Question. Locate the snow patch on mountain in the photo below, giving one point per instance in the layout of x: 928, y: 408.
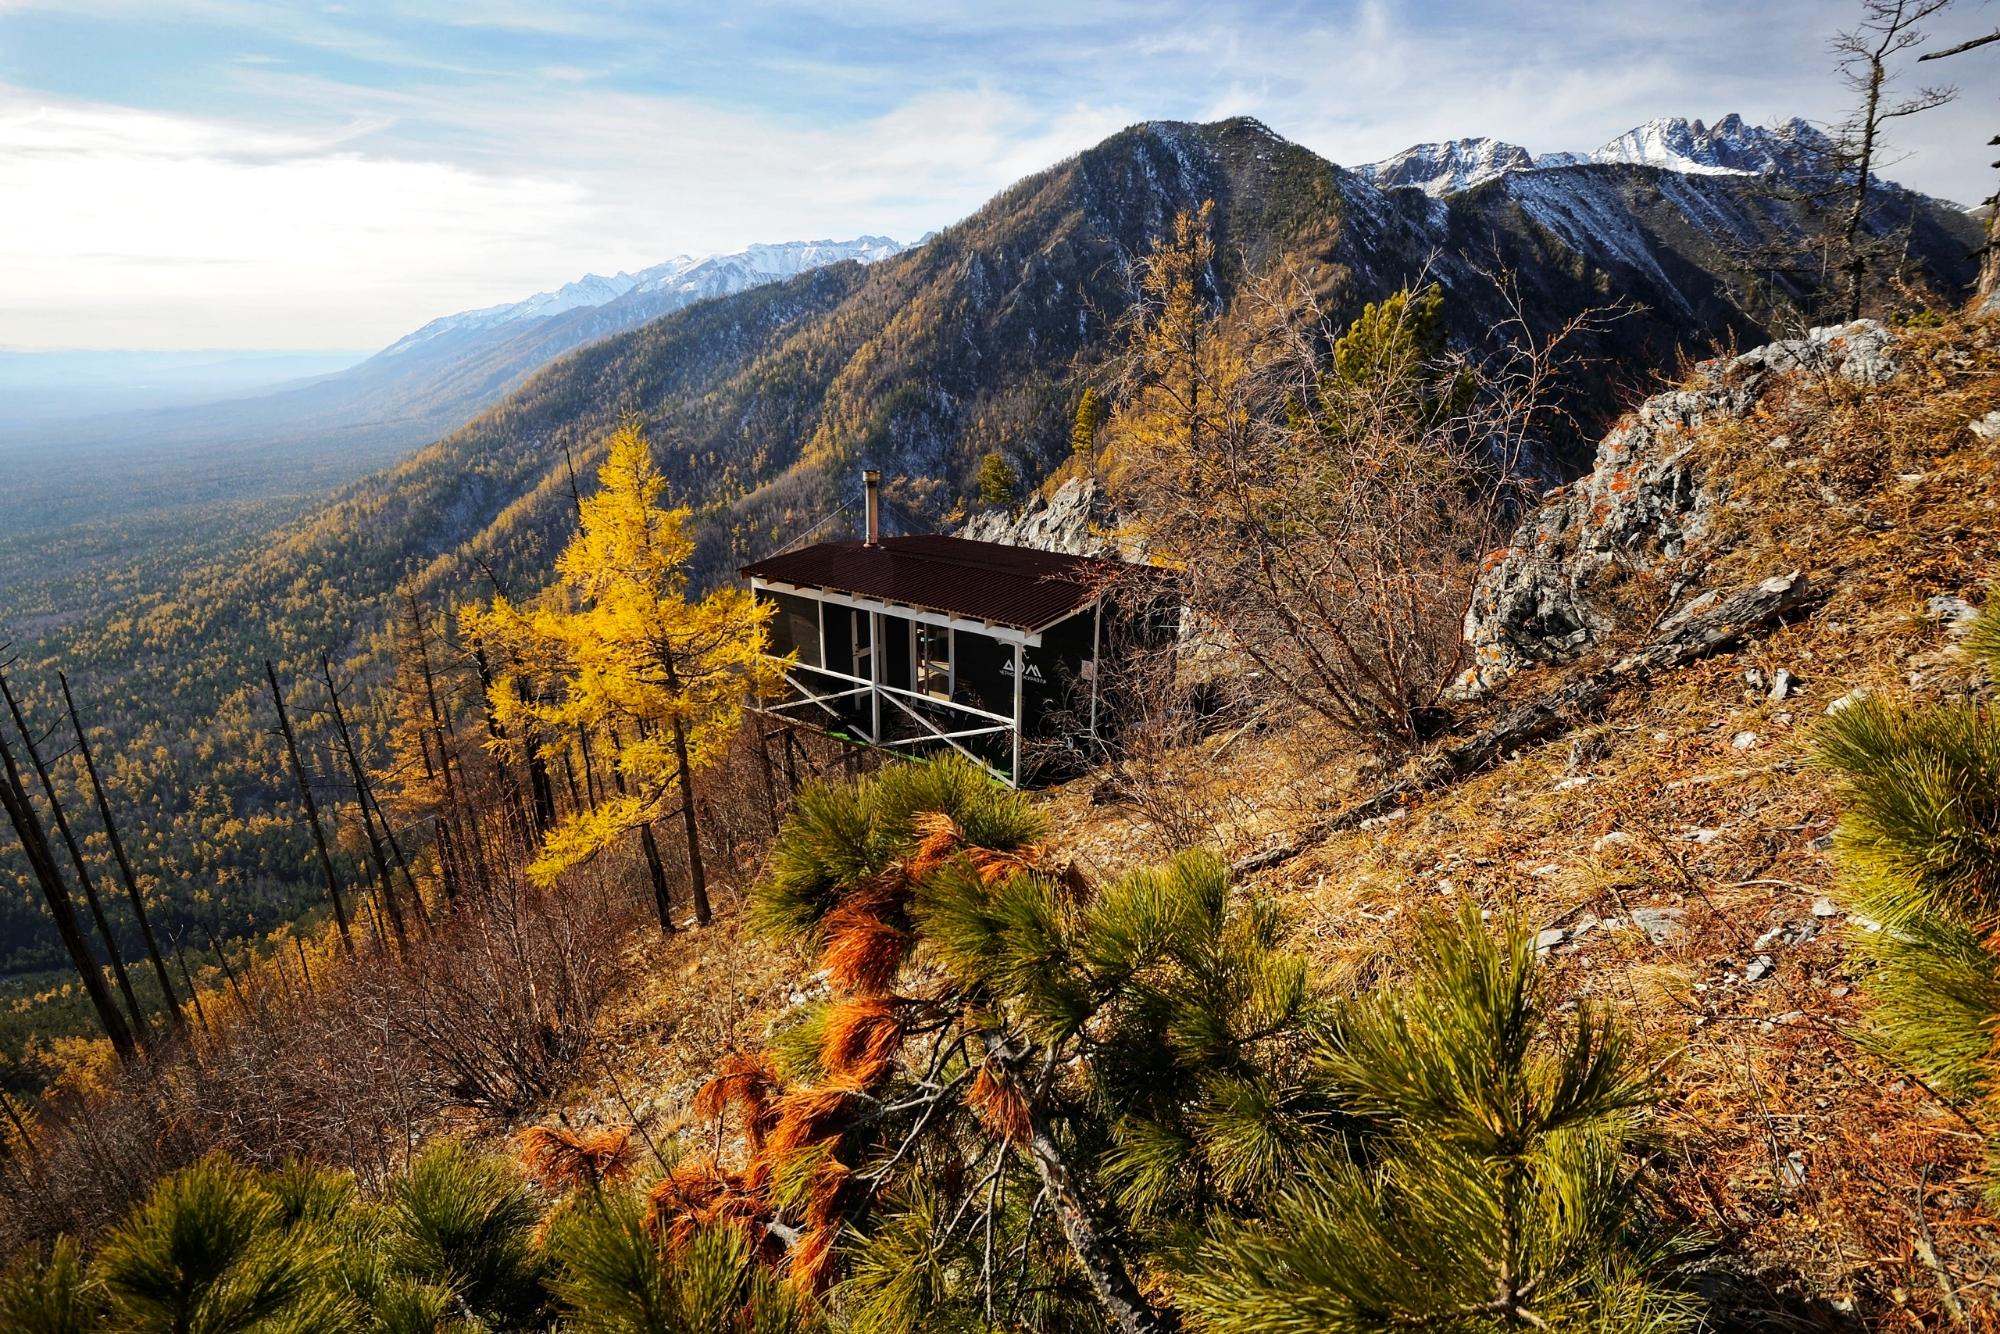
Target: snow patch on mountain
x: 695, y: 276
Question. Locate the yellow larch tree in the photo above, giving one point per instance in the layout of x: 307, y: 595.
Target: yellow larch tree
x: 617, y: 649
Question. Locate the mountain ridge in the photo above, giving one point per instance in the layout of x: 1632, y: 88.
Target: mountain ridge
x: 1795, y: 149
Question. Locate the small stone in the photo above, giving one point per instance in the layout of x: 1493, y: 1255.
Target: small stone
x: 1955, y: 613
x: 1788, y: 933
x: 1701, y: 836
x: 1660, y: 924
x: 1760, y: 968
x: 1780, y: 442
x: 1570, y: 784
x: 1546, y: 871
x: 1849, y: 700
x: 1549, y: 939
x: 1754, y: 678
x: 1610, y: 840
x: 1987, y: 427
x: 1825, y: 907
x: 1745, y: 741
x: 1783, y: 685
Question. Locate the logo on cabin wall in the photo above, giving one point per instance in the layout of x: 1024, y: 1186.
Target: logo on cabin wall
x: 1033, y: 674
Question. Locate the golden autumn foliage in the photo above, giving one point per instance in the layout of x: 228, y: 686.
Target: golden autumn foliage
x: 621, y: 648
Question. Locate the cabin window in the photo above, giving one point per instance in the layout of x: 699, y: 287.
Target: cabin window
x: 930, y: 650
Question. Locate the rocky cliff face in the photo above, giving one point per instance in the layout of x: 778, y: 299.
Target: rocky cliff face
x: 1645, y: 502
x: 1069, y: 520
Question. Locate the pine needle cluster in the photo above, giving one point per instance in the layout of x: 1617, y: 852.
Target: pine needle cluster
x: 1484, y: 1183
x: 462, y: 1243
x: 1918, y: 846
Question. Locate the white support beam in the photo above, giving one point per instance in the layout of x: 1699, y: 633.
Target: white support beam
x: 1020, y: 671
x: 1096, y: 659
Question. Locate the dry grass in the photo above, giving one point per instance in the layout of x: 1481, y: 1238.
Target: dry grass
x: 1846, y: 1185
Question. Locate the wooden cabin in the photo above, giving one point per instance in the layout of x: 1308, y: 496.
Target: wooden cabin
x: 925, y: 642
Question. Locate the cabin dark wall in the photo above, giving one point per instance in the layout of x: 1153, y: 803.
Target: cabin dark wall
x: 795, y: 627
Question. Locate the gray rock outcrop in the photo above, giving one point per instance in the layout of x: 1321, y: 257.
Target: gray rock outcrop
x: 1643, y: 503
x: 1065, y: 521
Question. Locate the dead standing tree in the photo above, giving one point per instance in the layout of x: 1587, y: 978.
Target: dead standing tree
x: 1355, y: 477
x: 131, y: 881
x: 312, y: 811
x: 34, y: 842
x: 83, y: 877
x: 1864, y: 53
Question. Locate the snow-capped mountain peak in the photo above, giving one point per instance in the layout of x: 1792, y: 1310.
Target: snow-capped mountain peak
x: 1446, y: 168
x: 687, y: 276
x: 1731, y: 146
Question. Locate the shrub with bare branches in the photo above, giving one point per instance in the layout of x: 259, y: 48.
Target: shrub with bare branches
x: 1329, y: 519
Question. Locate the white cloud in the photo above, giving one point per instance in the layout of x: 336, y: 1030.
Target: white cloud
x: 343, y: 201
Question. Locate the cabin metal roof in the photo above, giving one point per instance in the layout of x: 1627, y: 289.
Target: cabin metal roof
x: 1018, y: 587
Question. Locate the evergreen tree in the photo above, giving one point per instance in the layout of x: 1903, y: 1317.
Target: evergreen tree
x: 999, y: 483
x: 1083, y: 430
x: 1182, y: 376
x: 1019, y: 1065
x: 51, y: 1294
x: 1486, y: 1185
x: 1395, y: 351
x: 611, y: 1277
x: 621, y: 649
x: 1918, y: 846
x: 212, y: 1251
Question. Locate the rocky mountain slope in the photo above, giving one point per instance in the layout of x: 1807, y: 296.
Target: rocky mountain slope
x: 1673, y: 845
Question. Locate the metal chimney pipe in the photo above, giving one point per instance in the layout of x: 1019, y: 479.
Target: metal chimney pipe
x: 873, y: 479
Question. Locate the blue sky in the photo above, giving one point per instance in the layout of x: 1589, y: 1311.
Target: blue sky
x: 217, y: 173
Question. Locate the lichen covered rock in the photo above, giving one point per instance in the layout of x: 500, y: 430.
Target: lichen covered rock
x: 1645, y: 502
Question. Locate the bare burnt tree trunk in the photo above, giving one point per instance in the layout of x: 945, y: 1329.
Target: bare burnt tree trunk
x: 456, y: 799
x: 194, y: 992
x: 83, y: 879
x: 684, y: 765
x: 131, y: 881
x: 450, y: 871
x: 396, y: 853
x: 27, y: 827
x: 228, y: 973
x: 662, y: 899
x: 386, y: 886
x: 518, y: 814
x: 312, y: 811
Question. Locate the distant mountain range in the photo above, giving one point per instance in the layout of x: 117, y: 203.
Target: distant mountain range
x: 767, y: 403
x: 1731, y: 146
x: 633, y: 298
x: 318, y: 433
